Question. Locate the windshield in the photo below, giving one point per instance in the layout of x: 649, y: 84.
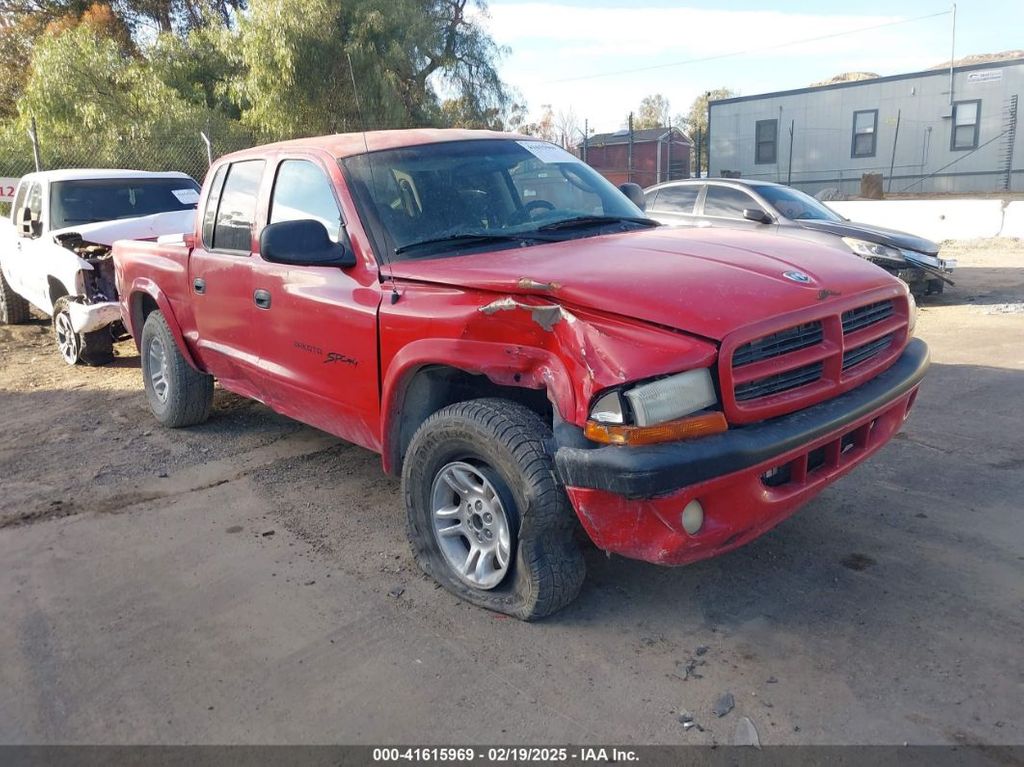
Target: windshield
x: 445, y: 198
x: 796, y: 205
x: 86, y: 201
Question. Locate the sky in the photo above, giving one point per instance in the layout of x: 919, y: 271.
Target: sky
x: 573, y: 54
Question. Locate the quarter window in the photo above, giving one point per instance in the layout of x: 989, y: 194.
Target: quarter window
x: 727, y: 202
x: 865, y: 133
x: 766, y: 140
x: 966, y: 116
x: 236, y: 212
x: 35, y: 200
x: 676, y: 199
x: 19, y: 199
x: 210, y: 214
x: 303, y: 191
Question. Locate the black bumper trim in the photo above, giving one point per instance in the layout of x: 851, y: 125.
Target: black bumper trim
x: 642, y: 472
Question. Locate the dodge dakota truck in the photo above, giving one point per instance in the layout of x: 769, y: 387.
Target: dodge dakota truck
x: 529, y: 352
x: 55, y: 248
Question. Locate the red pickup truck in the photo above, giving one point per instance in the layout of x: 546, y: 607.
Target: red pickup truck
x: 520, y: 343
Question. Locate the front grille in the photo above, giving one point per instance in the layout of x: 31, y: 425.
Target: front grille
x: 822, y: 352
x: 865, y: 316
x: 780, y: 382
x: 785, y: 341
x: 863, y: 353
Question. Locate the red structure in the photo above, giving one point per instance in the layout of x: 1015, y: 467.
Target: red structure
x: 645, y: 157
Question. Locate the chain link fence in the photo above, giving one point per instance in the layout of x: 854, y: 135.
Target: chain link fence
x: 187, y: 148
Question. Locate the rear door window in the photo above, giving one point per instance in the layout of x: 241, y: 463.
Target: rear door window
x: 236, y: 213
x: 726, y: 202
x: 677, y: 199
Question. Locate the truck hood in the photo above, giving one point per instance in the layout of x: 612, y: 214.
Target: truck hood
x: 704, y: 282
x: 871, y: 233
x: 140, y: 228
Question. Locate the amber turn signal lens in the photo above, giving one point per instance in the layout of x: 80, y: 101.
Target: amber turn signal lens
x: 684, y: 428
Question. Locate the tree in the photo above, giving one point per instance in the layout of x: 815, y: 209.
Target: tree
x: 567, y: 127
x: 696, y: 122
x: 544, y: 128
x: 653, y: 112
x: 300, y: 57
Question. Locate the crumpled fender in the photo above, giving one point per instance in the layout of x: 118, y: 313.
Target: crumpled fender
x: 504, y: 364
x: 522, y: 341
x: 131, y: 314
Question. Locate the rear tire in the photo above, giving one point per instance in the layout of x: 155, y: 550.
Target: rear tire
x: 13, y: 308
x: 95, y: 348
x: 178, y: 394
x: 503, y: 483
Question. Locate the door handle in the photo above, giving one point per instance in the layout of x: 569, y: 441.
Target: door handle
x: 199, y: 284
x: 261, y: 298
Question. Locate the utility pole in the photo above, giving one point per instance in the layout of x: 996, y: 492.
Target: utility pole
x: 34, y: 136
x: 895, y: 138
x: 586, y: 137
x: 952, y: 55
x: 629, y: 151
x: 668, y: 159
x: 789, y: 173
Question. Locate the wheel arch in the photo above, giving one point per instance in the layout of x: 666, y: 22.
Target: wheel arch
x: 145, y: 298
x: 429, y: 375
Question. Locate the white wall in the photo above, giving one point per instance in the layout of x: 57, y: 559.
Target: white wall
x: 938, y: 220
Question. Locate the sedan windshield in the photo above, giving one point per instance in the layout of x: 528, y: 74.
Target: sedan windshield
x: 87, y: 201
x: 447, y: 198
x: 796, y: 205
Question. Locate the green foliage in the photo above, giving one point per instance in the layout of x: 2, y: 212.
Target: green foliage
x: 653, y: 112
x: 283, y: 69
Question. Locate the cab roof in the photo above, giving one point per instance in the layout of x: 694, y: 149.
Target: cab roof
x: 81, y: 174
x: 342, y: 145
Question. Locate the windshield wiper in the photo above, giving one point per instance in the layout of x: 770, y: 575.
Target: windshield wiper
x: 466, y: 238
x: 583, y: 221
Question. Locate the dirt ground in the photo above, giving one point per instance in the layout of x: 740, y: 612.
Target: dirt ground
x: 249, y: 581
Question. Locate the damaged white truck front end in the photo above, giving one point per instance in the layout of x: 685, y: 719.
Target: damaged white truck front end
x: 55, y: 254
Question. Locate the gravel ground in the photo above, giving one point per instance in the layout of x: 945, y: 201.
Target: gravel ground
x: 248, y: 580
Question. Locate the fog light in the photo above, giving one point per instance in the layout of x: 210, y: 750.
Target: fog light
x: 693, y: 517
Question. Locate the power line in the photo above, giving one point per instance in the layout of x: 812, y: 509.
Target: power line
x: 749, y: 50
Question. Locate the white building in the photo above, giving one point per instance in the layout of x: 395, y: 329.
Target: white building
x: 915, y: 131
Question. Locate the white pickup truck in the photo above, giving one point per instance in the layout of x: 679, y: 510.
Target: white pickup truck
x: 55, y: 248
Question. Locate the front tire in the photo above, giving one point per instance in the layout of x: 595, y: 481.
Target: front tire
x: 178, y: 394
x: 95, y: 348
x: 13, y: 308
x: 487, y: 518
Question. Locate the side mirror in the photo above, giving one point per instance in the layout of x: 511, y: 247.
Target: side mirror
x: 303, y: 243
x: 758, y: 215
x: 28, y: 222
x: 635, y: 194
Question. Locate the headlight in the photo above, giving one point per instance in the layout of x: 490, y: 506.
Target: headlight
x: 658, y: 401
x: 922, y: 258
x: 867, y: 249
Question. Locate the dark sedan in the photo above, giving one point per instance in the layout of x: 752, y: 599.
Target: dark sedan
x: 766, y: 206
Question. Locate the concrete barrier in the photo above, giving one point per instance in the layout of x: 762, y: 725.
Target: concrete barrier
x: 1013, y: 220
x: 938, y: 220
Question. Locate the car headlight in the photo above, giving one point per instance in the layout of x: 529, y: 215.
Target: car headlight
x: 867, y: 249
x: 674, y: 407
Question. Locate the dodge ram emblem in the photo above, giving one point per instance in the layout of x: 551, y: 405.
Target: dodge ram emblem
x: 796, y: 277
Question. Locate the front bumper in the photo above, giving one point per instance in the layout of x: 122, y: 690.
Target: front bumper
x: 85, y: 318
x: 630, y: 499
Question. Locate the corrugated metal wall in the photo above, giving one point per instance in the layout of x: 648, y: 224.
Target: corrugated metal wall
x: 822, y: 124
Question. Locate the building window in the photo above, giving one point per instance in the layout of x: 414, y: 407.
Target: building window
x: 865, y: 133
x: 966, y: 116
x: 766, y: 142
